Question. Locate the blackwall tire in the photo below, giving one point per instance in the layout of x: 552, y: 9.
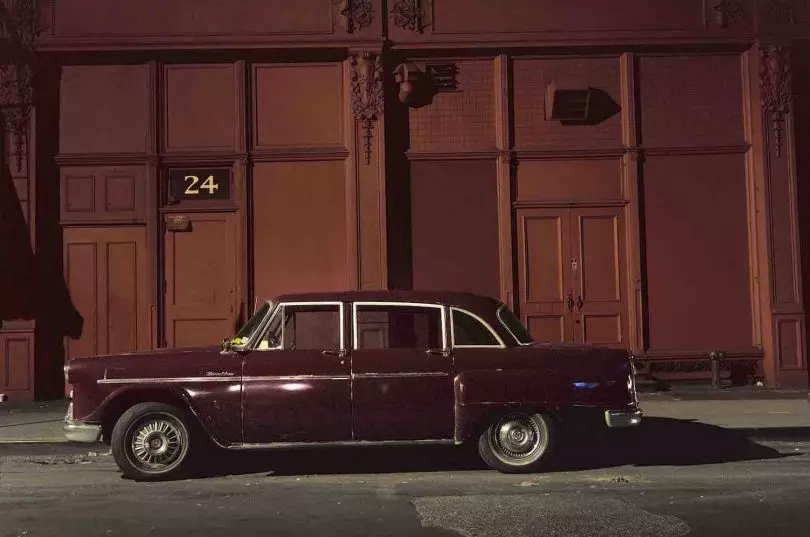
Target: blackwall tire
x: 518, y: 442
x: 152, y: 441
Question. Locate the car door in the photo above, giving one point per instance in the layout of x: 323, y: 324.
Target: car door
x: 297, y: 379
x: 402, y: 372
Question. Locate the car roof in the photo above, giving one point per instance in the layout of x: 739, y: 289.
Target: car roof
x: 464, y: 300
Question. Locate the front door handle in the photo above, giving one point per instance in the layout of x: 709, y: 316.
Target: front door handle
x: 343, y: 353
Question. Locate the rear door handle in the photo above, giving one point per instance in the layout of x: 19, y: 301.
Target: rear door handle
x: 438, y: 352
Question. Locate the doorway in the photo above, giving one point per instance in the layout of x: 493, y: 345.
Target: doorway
x: 572, y: 264
x: 200, y: 278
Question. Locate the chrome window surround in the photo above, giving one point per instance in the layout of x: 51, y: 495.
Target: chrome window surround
x: 440, y: 307
x: 481, y: 321
x: 279, y: 311
x: 506, y: 326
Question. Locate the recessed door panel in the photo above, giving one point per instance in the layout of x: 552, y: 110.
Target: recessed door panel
x: 599, y: 246
x: 544, y: 247
x: 200, y: 274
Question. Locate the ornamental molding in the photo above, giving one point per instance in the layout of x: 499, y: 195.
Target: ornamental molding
x: 20, y: 25
x: 409, y: 15
x: 367, y: 95
x: 776, y: 89
x: 355, y: 14
x: 729, y: 12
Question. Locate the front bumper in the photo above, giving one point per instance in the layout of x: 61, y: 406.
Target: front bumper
x: 623, y: 418
x: 77, y: 431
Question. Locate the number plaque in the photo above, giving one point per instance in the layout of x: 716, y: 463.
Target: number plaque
x: 202, y: 184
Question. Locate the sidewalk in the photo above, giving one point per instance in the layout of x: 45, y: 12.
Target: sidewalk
x: 760, y: 414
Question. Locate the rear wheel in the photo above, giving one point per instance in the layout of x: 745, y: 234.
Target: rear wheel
x: 151, y: 441
x: 517, y: 442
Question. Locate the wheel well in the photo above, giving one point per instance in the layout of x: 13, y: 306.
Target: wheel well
x: 116, y: 408
x: 490, y: 416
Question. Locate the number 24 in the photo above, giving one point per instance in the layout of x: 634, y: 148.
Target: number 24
x: 208, y: 184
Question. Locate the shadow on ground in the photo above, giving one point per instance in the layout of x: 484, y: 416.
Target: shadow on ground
x: 658, y: 442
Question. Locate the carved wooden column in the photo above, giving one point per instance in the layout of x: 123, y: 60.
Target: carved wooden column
x: 366, y: 171
x: 777, y: 263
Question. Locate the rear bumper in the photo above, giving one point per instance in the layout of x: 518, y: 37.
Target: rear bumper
x: 623, y: 418
x: 77, y: 431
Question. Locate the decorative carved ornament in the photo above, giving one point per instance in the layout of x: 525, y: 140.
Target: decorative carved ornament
x: 367, y: 94
x: 776, y: 89
x: 780, y: 12
x: 20, y: 24
x: 408, y: 15
x: 729, y: 12
x: 356, y: 14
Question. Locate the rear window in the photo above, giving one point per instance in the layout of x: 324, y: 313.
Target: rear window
x: 514, y: 326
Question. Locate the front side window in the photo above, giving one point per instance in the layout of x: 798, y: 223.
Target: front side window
x: 398, y: 327
x: 470, y: 332
x: 303, y: 327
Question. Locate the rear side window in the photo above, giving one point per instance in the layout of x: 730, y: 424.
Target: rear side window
x: 469, y: 332
x: 398, y: 327
x: 515, y: 327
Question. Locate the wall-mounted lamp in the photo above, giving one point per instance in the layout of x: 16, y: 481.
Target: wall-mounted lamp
x: 567, y: 102
x: 408, y: 77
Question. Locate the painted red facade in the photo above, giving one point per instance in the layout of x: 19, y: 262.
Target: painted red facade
x: 622, y: 175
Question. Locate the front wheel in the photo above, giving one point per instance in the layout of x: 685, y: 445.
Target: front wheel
x: 517, y: 442
x: 151, y: 441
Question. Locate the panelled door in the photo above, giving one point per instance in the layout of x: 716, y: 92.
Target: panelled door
x: 200, y: 280
x: 572, y: 274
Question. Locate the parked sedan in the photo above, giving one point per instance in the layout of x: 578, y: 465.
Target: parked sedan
x: 353, y: 368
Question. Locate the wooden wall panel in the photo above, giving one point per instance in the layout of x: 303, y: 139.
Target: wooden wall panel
x: 299, y: 227
x: 17, y: 366
x: 460, y: 120
x: 790, y: 354
x: 106, y: 271
x: 298, y: 105
x: 103, y: 109
x: 526, y: 16
x: 454, y: 214
x: 530, y: 78
x: 569, y: 180
x: 108, y: 193
x: 689, y: 101
x: 200, y: 107
x: 697, y: 253
x: 83, y: 18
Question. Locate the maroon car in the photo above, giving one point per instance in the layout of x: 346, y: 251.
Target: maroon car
x: 353, y: 368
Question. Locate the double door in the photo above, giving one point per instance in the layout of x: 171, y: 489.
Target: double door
x: 572, y: 274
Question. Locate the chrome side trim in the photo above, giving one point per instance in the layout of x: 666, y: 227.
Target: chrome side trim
x: 346, y: 443
x: 168, y: 380
x: 296, y: 377
x: 399, y: 375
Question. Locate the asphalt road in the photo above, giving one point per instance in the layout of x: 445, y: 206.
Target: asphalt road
x: 698, y: 486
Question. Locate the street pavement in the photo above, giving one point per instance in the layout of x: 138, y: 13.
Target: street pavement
x: 698, y: 466
x: 735, y: 488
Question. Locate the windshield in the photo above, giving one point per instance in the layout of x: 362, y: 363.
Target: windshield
x: 515, y: 327
x: 245, y: 333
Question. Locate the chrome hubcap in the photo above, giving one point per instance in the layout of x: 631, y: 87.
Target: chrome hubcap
x: 518, y: 439
x: 156, y: 443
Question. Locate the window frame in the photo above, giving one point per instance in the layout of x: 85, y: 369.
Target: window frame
x: 441, y: 307
x: 279, y: 311
x: 500, y: 345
